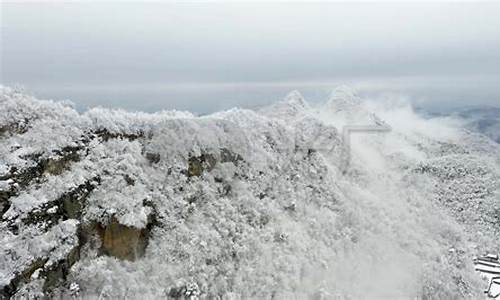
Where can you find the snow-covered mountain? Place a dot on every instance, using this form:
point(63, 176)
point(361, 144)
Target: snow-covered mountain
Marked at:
point(485, 120)
point(243, 204)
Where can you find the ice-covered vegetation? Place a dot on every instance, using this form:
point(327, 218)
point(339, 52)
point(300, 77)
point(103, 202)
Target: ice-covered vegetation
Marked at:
point(242, 203)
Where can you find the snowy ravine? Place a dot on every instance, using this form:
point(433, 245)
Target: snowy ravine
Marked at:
point(242, 204)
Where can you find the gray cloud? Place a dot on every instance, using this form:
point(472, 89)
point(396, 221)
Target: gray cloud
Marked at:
point(102, 50)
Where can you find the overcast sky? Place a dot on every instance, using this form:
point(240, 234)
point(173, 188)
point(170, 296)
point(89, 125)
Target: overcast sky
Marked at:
point(204, 57)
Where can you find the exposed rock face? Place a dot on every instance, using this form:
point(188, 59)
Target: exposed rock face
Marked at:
point(199, 164)
point(17, 127)
point(207, 161)
point(123, 242)
point(238, 204)
point(185, 291)
point(153, 157)
point(25, 258)
point(43, 199)
point(23, 277)
point(55, 166)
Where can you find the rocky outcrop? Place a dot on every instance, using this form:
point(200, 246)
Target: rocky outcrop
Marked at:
point(37, 259)
point(207, 161)
point(106, 135)
point(38, 166)
point(200, 164)
point(122, 241)
point(18, 127)
point(186, 291)
point(21, 278)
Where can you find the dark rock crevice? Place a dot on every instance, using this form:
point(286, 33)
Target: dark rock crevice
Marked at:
point(70, 205)
point(21, 278)
point(11, 129)
point(54, 274)
point(106, 135)
point(20, 179)
point(55, 164)
point(206, 161)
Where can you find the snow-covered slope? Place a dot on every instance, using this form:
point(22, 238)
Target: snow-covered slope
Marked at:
point(241, 203)
point(485, 120)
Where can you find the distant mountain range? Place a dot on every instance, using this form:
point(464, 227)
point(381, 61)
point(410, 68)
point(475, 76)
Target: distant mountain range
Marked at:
point(485, 120)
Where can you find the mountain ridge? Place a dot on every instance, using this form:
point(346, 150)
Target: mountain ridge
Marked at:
point(241, 203)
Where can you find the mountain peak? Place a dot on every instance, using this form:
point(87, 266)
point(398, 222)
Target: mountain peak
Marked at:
point(295, 98)
point(344, 98)
point(290, 107)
